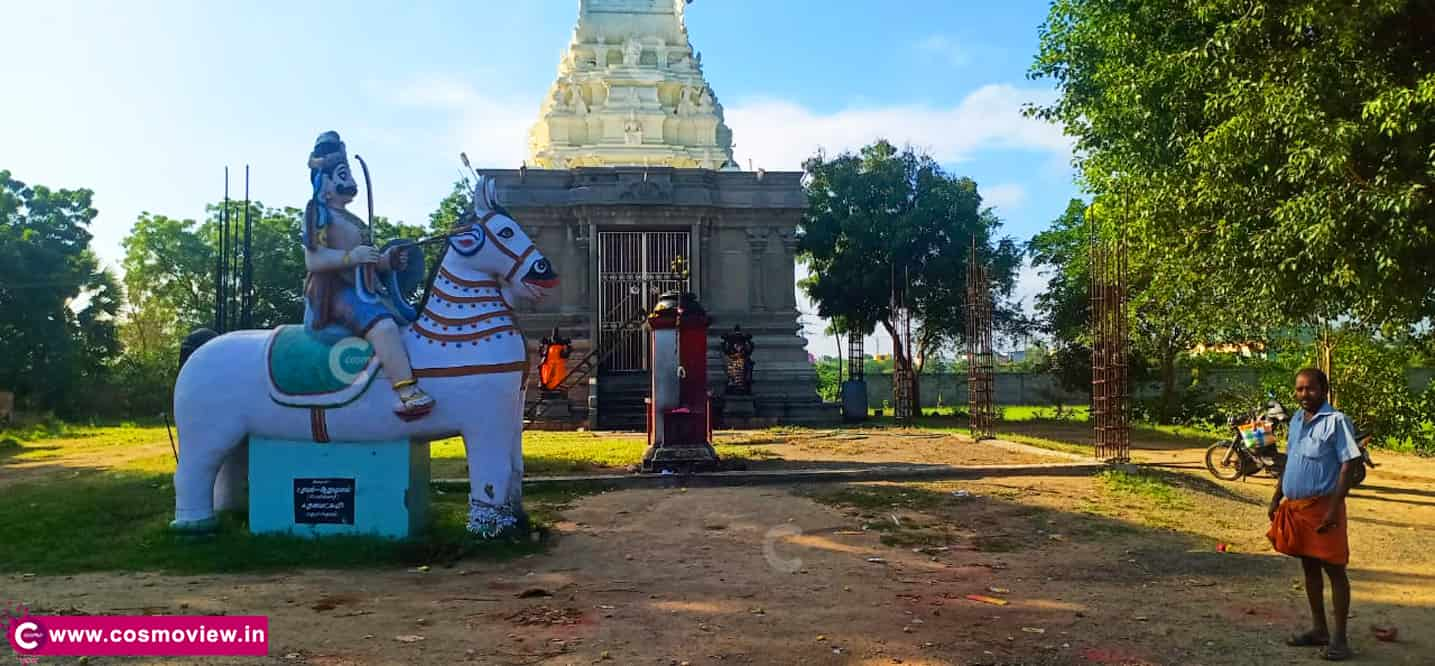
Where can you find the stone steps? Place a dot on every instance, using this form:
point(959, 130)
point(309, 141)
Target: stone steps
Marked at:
point(622, 402)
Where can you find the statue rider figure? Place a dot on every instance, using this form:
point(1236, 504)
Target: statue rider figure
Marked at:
point(334, 245)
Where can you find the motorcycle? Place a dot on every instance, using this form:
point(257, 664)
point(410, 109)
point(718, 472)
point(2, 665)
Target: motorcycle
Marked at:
point(1252, 448)
point(1362, 442)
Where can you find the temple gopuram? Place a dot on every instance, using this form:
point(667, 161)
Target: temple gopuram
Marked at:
point(632, 185)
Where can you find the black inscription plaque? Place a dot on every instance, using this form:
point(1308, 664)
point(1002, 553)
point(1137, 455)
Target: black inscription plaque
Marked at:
point(324, 501)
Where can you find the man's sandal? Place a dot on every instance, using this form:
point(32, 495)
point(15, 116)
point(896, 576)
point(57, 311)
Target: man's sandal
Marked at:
point(1307, 639)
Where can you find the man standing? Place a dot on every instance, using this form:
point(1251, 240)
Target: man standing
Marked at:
point(1310, 524)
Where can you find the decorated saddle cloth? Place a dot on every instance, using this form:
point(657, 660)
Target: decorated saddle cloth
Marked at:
point(308, 369)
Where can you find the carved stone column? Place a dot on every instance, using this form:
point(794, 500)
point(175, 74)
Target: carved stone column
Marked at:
point(757, 247)
point(579, 238)
point(703, 254)
point(787, 272)
point(590, 275)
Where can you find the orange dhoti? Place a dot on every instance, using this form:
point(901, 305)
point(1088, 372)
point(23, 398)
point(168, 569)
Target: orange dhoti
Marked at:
point(1293, 531)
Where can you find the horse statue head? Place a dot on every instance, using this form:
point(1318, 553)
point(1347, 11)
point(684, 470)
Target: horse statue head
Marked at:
point(490, 242)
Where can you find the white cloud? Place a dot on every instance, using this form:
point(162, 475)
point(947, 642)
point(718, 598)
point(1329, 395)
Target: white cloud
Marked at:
point(492, 130)
point(778, 135)
point(773, 133)
point(1003, 197)
point(1029, 284)
point(945, 48)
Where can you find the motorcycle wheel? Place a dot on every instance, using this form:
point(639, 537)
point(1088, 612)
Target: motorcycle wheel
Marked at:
point(1223, 463)
point(1359, 476)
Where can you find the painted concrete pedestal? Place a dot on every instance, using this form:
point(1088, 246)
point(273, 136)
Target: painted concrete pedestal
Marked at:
point(338, 488)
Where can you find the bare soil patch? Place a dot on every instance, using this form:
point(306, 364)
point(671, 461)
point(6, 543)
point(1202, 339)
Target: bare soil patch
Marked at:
point(1094, 570)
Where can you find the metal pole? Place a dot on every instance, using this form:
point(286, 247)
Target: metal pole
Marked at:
point(221, 286)
point(246, 318)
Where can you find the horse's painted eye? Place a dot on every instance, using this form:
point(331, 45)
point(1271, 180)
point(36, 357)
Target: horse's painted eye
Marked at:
point(541, 266)
point(506, 232)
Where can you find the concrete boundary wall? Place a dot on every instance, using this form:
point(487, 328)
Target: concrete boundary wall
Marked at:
point(1032, 388)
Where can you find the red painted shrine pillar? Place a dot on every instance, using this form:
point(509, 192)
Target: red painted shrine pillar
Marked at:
point(679, 413)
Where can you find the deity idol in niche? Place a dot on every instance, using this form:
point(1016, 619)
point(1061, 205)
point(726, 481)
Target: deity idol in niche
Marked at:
point(632, 52)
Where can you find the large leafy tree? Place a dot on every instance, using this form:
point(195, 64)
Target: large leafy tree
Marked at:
point(1282, 150)
point(1063, 309)
point(169, 263)
point(885, 225)
point(169, 277)
point(57, 309)
point(451, 208)
point(1168, 312)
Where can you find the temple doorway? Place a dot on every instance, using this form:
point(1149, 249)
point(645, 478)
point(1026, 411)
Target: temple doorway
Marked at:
point(634, 268)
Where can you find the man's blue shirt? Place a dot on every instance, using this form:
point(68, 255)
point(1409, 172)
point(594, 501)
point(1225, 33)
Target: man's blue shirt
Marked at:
point(1315, 450)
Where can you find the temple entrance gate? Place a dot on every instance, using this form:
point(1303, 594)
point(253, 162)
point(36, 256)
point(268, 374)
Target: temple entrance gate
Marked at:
point(634, 268)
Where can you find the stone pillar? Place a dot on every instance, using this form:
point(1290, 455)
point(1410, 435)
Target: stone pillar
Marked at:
point(576, 276)
point(590, 278)
point(757, 247)
point(731, 270)
point(697, 247)
point(785, 272)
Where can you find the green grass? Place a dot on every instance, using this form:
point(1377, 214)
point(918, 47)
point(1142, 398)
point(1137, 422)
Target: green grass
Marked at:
point(1049, 444)
point(117, 521)
point(1005, 412)
point(1078, 413)
point(1184, 431)
point(876, 498)
point(548, 453)
point(71, 515)
point(1151, 486)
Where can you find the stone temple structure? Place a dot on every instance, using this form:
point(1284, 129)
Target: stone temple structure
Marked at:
point(631, 190)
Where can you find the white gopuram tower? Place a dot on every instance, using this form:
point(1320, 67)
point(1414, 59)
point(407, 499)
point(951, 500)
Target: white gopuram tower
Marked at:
point(630, 92)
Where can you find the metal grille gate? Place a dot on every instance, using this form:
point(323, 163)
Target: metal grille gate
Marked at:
point(634, 268)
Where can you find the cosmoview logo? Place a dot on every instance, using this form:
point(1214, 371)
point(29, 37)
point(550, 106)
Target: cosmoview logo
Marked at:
point(27, 635)
point(24, 632)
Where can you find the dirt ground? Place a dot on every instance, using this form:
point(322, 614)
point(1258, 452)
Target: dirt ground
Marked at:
point(850, 574)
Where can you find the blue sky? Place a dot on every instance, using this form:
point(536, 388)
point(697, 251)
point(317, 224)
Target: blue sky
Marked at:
point(146, 102)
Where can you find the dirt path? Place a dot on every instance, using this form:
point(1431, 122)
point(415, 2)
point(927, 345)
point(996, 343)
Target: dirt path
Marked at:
point(1093, 574)
point(768, 576)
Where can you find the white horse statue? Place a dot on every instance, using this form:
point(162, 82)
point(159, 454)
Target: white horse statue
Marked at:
point(465, 344)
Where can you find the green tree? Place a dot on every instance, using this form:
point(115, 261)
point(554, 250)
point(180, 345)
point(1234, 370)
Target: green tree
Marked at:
point(169, 276)
point(1061, 253)
point(57, 309)
point(450, 209)
point(1167, 312)
point(885, 224)
point(1281, 149)
point(169, 263)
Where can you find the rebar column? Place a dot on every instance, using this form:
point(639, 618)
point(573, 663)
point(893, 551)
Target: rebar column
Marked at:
point(903, 408)
point(1110, 372)
point(856, 358)
point(981, 363)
